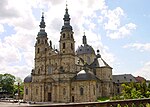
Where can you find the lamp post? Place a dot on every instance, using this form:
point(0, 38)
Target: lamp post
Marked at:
point(18, 91)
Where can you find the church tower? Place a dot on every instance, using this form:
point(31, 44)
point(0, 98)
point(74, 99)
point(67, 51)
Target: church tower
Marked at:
point(67, 43)
point(41, 47)
point(66, 38)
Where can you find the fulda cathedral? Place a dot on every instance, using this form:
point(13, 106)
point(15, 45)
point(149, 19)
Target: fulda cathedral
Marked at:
point(66, 75)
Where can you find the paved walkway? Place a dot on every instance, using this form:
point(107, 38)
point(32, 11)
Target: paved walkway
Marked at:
point(8, 104)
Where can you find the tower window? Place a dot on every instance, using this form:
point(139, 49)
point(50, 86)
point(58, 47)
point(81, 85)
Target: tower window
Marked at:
point(63, 35)
point(45, 41)
point(45, 49)
point(81, 91)
point(64, 45)
point(39, 71)
point(38, 50)
point(71, 35)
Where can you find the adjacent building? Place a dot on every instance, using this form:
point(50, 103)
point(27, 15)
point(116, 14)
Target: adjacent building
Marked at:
point(118, 80)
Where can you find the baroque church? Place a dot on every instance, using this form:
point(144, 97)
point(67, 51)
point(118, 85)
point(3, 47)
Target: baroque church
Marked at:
point(67, 75)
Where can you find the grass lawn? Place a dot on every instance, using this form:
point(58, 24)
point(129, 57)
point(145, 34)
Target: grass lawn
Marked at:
point(103, 99)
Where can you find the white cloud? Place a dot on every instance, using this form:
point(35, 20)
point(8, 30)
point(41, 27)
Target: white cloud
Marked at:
point(1, 28)
point(6, 10)
point(144, 71)
point(17, 70)
point(121, 32)
point(139, 46)
point(113, 26)
point(9, 54)
point(113, 18)
point(19, 47)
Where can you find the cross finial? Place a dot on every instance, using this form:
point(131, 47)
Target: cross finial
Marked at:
point(84, 33)
point(42, 13)
point(66, 4)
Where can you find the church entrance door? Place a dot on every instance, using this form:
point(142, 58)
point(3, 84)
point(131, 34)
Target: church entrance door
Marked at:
point(49, 97)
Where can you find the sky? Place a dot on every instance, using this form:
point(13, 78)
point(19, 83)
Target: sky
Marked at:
point(118, 28)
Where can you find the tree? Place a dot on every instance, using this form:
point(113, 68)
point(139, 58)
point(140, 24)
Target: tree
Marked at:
point(7, 82)
point(135, 90)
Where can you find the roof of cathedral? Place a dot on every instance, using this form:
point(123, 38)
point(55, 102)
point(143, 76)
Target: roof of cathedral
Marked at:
point(99, 62)
point(123, 78)
point(84, 75)
point(28, 79)
point(85, 48)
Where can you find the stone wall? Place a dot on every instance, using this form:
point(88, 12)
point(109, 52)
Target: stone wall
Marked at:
point(89, 91)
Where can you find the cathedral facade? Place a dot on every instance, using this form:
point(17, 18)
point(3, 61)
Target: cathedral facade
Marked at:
point(67, 75)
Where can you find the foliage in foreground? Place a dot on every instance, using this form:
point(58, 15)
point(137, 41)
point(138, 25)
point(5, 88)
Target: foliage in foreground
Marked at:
point(134, 91)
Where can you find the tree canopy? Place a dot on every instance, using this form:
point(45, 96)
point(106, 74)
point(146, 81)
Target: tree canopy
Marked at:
point(9, 84)
point(135, 90)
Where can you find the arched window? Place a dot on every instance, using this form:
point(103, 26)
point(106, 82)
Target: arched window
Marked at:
point(38, 50)
point(64, 91)
point(81, 91)
point(49, 70)
point(26, 91)
point(72, 98)
point(118, 90)
point(72, 36)
point(39, 71)
point(93, 90)
point(63, 35)
point(45, 49)
point(64, 45)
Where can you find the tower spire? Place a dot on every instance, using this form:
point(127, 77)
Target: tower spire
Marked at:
point(42, 26)
point(66, 19)
point(84, 39)
point(42, 23)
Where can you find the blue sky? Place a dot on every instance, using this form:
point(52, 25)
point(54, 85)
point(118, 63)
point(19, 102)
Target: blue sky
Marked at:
point(118, 28)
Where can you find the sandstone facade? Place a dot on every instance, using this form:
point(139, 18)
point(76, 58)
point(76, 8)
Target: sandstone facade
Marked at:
point(66, 75)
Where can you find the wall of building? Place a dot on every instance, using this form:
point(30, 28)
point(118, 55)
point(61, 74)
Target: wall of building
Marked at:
point(89, 91)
